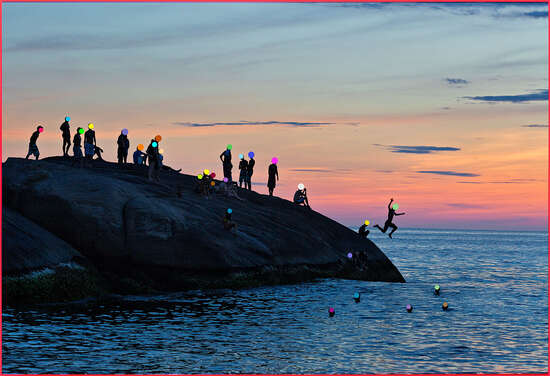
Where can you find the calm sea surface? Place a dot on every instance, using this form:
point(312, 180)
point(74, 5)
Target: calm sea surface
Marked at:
point(495, 284)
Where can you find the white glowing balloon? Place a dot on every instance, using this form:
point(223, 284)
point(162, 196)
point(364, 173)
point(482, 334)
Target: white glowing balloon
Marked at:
point(301, 186)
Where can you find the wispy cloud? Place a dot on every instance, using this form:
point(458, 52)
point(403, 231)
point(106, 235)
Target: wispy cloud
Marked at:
point(465, 206)
point(321, 170)
point(535, 126)
point(242, 122)
point(417, 149)
point(456, 81)
point(448, 173)
point(540, 95)
point(536, 14)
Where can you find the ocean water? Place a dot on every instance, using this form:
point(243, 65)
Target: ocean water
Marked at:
point(495, 283)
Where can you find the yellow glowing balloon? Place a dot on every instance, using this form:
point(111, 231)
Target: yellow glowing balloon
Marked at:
point(91, 126)
point(367, 222)
point(158, 138)
point(206, 172)
point(161, 151)
point(140, 147)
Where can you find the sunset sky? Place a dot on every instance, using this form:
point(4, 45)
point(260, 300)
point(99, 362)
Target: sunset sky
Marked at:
point(441, 106)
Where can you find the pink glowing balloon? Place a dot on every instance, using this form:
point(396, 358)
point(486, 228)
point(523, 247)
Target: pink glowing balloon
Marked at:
point(41, 129)
point(225, 180)
point(274, 160)
point(213, 175)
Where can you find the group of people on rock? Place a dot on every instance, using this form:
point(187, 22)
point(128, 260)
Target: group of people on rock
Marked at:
point(154, 157)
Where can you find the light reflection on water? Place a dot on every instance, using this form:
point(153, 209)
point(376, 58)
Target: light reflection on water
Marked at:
point(495, 283)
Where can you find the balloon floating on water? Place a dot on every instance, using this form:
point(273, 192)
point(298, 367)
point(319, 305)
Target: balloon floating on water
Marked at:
point(331, 312)
point(357, 297)
point(241, 156)
point(300, 186)
point(229, 146)
point(154, 144)
point(81, 131)
point(158, 138)
point(350, 255)
point(395, 206)
point(67, 118)
point(409, 308)
point(90, 126)
point(229, 211)
point(436, 289)
point(125, 131)
point(225, 180)
point(445, 306)
point(250, 154)
point(140, 147)
point(274, 160)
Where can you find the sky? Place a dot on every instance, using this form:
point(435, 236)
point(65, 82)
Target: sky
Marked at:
point(443, 107)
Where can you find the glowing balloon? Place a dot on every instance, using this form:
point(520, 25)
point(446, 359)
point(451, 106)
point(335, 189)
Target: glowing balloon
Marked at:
point(206, 172)
point(241, 156)
point(125, 131)
point(229, 146)
point(274, 160)
point(212, 183)
point(67, 118)
point(158, 138)
point(350, 255)
point(161, 151)
point(154, 144)
point(409, 308)
point(250, 154)
point(331, 312)
point(436, 287)
point(229, 211)
point(90, 126)
point(301, 186)
point(199, 176)
point(225, 180)
point(41, 129)
point(213, 175)
point(367, 222)
point(81, 131)
point(395, 206)
point(140, 147)
point(445, 306)
point(356, 295)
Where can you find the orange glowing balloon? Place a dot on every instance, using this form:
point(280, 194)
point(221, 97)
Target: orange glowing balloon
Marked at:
point(140, 147)
point(158, 138)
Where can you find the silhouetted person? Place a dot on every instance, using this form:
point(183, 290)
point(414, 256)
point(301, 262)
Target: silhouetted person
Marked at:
point(77, 151)
point(139, 157)
point(389, 223)
point(228, 224)
point(33, 149)
point(66, 134)
point(272, 173)
point(243, 167)
point(154, 163)
point(249, 172)
point(300, 198)
point(89, 144)
point(122, 150)
point(98, 151)
point(225, 157)
point(363, 232)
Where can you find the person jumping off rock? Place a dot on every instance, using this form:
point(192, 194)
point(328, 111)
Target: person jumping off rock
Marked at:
point(33, 149)
point(389, 223)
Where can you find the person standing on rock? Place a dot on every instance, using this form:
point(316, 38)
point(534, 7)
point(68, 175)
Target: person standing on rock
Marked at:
point(33, 149)
point(123, 146)
point(77, 144)
point(389, 223)
point(272, 172)
point(250, 170)
point(225, 157)
point(154, 163)
point(66, 134)
point(89, 143)
point(243, 167)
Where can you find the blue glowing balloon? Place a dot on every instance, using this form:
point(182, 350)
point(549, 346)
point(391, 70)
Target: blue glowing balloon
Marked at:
point(356, 295)
point(250, 154)
point(67, 118)
point(350, 255)
point(229, 211)
point(241, 156)
point(154, 144)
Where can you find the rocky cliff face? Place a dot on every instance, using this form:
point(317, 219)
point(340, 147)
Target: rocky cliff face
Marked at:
point(120, 222)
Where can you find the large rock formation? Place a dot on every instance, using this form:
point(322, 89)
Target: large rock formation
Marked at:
point(118, 220)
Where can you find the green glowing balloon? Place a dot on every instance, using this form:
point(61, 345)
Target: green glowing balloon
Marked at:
point(81, 131)
point(229, 146)
point(395, 206)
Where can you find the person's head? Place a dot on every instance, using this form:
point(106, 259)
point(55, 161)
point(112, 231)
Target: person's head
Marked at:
point(67, 119)
point(79, 129)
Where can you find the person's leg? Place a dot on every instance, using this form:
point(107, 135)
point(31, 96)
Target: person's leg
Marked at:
point(383, 229)
point(150, 171)
point(270, 191)
point(394, 227)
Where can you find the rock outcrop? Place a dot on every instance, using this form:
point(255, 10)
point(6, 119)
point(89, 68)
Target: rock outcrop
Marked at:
point(119, 221)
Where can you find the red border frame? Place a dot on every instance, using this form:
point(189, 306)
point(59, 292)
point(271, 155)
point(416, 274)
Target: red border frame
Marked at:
point(273, 1)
